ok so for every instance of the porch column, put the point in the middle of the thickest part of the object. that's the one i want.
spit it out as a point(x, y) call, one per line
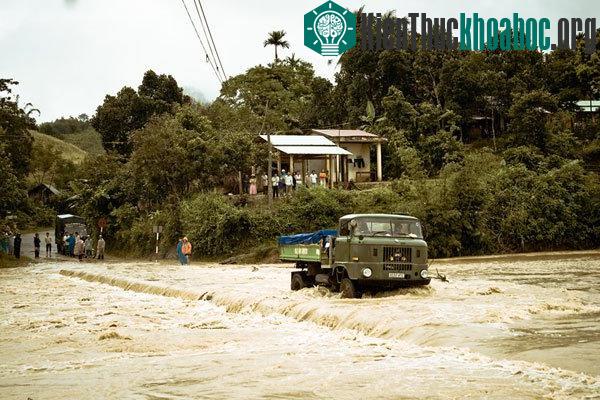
point(291, 169)
point(278, 163)
point(328, 169)
point(379, 166)
point(303, 162)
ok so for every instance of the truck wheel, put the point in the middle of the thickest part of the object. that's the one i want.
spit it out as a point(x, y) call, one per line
point(348, 289)
point(297, 282)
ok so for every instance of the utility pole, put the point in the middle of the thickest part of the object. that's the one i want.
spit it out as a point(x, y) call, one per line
point(269, 160)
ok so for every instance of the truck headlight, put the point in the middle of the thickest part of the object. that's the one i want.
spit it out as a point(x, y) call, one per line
point(424, 274)
point(367, 272)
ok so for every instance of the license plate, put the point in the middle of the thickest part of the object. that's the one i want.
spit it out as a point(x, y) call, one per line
point(397, 275)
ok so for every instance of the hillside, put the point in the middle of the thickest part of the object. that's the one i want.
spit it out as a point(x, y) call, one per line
point(88, 140)
point(69, 151)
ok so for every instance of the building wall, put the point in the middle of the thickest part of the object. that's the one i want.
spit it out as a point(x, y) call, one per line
point(358, 149)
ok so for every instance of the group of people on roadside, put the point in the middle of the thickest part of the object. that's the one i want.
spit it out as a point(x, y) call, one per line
point(75, 245)
point(10, 243)
point(283, 183)
point(184, 250)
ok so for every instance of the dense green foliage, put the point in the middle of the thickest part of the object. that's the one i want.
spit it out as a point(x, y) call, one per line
point(118, 116)
point(488, 148)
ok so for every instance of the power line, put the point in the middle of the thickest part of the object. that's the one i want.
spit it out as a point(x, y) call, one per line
point(202, 24)
point(211, 38)
point(201, 43)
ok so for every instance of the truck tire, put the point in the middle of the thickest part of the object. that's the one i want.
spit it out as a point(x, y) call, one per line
point(348, 289)
point(298, 282)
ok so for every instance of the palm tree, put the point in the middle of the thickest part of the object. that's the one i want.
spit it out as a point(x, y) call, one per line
point(276, 39)
point(293, 61)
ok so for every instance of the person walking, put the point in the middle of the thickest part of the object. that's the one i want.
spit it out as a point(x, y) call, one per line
point(275, 185)
point(100, 248)
point(265, 184)
point(186, 249)
point(36, 245)
point(252, 189)
point(17, 246)
point(88, 247)
point(48, 242)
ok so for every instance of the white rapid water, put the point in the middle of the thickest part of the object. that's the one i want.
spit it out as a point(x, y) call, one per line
point(505, 328)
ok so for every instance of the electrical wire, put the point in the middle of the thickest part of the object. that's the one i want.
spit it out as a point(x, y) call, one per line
point(201, 42)
point(211, 38)
point(204, 24)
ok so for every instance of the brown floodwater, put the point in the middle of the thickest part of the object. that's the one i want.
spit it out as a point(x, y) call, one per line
point(501, 328)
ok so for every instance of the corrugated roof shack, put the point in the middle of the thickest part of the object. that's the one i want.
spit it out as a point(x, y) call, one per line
point(358, 167)
point(43, 193)
point(295, 152)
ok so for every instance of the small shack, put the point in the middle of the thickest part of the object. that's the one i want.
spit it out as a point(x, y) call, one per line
point(356, 168)
point(43, 193)
point(298, 152)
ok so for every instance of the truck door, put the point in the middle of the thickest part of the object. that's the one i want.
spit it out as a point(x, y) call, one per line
point(342, 244)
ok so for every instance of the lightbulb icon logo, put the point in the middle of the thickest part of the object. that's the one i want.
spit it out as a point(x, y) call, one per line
point(329, 29)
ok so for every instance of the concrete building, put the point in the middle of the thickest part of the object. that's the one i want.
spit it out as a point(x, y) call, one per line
point(356, 168)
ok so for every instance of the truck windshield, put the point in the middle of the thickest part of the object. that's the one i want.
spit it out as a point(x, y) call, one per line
point(388, 227)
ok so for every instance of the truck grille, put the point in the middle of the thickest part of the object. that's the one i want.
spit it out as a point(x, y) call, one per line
point(397, 259)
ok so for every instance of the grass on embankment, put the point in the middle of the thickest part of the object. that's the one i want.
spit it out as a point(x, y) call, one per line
point(69, 151)
point(7, 261)
point(88, 140)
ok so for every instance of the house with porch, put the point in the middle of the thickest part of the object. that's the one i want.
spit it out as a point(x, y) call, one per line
point(344, 154)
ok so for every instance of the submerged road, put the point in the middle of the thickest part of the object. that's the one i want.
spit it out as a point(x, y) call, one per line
point(505, 327)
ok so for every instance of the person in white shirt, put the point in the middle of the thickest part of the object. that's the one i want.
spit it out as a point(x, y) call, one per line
point(298, 178)
point(313, 178)
point(289, 183)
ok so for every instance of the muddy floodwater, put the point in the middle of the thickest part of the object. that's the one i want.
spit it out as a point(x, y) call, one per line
point(501, 328)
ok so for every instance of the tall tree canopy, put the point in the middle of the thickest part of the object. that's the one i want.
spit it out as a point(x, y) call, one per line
point(118, 116)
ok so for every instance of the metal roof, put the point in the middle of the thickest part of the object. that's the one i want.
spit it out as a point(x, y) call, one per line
point(352, 216)
point(313, 150)
point(305, 144)
point(588, 105)
point(299, 140)
point(346, 135)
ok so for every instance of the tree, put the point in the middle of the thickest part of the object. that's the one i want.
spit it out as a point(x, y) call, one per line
point(118, 116)
point(275, 39)
point(529, 116)
point(12, 194)
point(15, 123)
point(286, 88)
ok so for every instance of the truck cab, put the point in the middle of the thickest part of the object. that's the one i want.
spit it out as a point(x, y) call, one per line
point(368, 252)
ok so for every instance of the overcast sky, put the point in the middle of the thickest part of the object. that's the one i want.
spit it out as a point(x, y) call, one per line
point(68, 54)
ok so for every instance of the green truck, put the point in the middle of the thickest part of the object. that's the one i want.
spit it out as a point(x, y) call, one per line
point(367, 252)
